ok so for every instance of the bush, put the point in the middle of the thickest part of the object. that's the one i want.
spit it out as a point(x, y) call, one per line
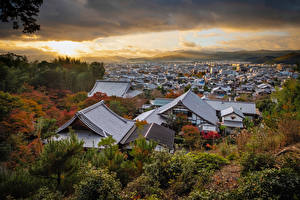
point(192, 170)
point(142, 187)
point(98, 184)
point(256, 162)
point(208, 161)
point(227, 150)
point(184, 174)
point(159, 168)
point(18, 184)
point(290, 161)
point(45, 194)
point(208, 195)
point(270, 184)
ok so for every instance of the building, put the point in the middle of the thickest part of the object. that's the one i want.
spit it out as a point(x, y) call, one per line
point(204, 113)
point(160, 134)
point(247, 108)
point(98, 121)
point(198, 112)
point(114, 88)
point(232, 117)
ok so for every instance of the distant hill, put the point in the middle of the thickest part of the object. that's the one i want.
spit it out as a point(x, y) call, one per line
point(290, 58)
point(261, 56)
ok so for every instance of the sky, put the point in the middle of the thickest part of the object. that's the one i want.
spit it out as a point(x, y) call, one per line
point(95, 30)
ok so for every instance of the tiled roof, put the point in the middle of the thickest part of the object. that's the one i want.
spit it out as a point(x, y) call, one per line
point(111, 88)
point(102, 121)
point(162, 135)
point(151, 116)
point(230, 110)
point(244, 107)
point(195, 104)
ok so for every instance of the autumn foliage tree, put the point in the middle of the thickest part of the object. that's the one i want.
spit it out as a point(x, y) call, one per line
point(192, 136)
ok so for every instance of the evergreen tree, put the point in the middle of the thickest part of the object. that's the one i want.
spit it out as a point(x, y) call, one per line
point(59, 159)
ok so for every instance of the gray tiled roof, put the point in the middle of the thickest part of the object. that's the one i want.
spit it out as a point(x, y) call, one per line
point(230, 110)
point(162, 135)
point(151, 116)
point(245, 107)
point(111, 88)
point(190, 100)
point(132, 93)
point(195, 104)
point(102, 121)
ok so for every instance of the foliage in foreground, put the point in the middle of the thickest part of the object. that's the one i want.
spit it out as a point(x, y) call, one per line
point(98, 184)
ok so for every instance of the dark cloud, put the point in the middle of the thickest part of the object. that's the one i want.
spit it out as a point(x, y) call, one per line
point(188, 44)
point(89, 19)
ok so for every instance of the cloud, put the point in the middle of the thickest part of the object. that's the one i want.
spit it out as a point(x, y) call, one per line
point(188, 44)
point(89, 19)
point(273, 42)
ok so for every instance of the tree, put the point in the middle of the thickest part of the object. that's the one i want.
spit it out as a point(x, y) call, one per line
point(97, 70)
point(141, 152)
point(59, 159)
point(110, 156)
point(21, 11)
point(186, 88)
point(192, 136)
point(176, 122)
point(113, 159)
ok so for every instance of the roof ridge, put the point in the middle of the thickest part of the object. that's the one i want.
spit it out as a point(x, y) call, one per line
point(113, 81)
point(246, 102)
point(146, 134)
point(185, 94)
point(91, 107)
point(90, 124)
point(127, 88)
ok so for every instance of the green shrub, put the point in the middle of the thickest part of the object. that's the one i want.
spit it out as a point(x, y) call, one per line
point(232, 156)
point(98, 184)
point(186, 173)
point(18, 184)
point(256, 162)
point(45, 194)
point(159, 168)
point(290, 161)
point(208, 195)
point(142, 187)
point(179, 172)
point(270, 184)
point(208, 161)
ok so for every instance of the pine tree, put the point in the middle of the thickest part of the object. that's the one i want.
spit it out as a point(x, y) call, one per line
point(59, 159)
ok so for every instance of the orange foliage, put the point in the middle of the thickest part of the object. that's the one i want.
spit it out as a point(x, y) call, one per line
point(172, 94)
point(97, 97)
point(19, 121)
point(190, 130)
point(191, 135)
point(127, 117)
point(140, 123)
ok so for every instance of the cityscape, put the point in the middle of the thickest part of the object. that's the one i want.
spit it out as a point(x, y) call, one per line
point(149, 100)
